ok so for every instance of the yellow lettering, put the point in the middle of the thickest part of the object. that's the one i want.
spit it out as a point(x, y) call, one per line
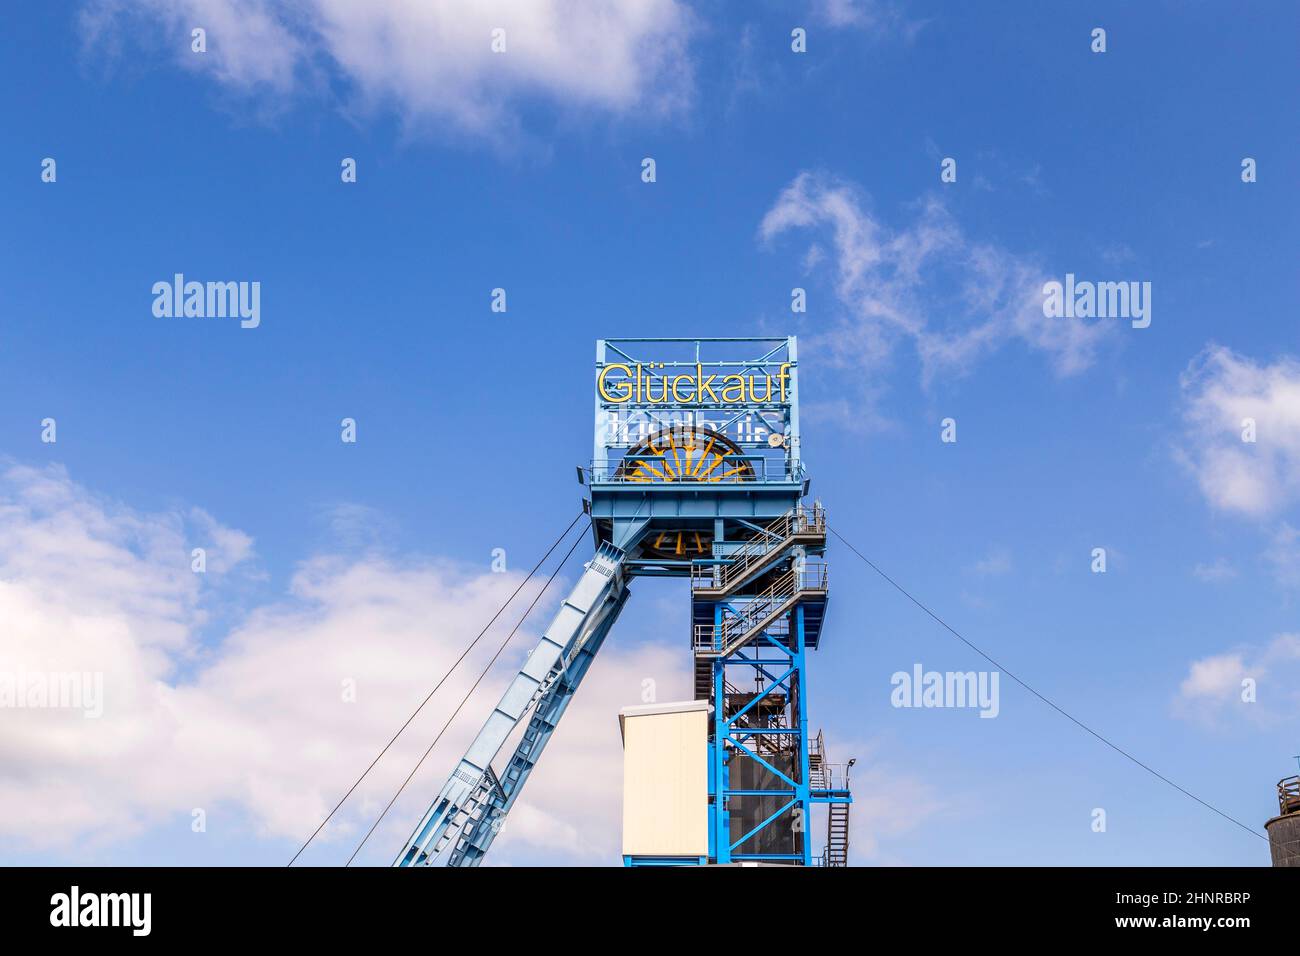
point(649, 391)
point(733, 382)
point(626, 386)
point(704, 386)
point(636, 386)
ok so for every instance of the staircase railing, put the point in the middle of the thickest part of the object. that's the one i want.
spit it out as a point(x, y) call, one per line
point(803, 519)
point(1288, 795)
point(811, 576)
point(817, 762)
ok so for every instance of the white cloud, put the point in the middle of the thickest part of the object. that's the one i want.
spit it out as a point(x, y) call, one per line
point(431, 60)
point(996, 563)
point(1283, 553)
point(1214, 677)
point(1220, 570)
point(875, 15)
point(355, 526)
point(1220, 390)
point(225, 547)
point(952, 298)
point(254, 726)
point(1214, 687)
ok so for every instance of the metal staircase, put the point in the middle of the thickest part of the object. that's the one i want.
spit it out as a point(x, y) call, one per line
point(837, 835)
point(803, 525)
point(758, 605)
point(817, 763)
point(821, 778)
point(760, 612)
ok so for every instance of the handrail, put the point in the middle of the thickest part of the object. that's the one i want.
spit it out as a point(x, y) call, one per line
point(1288, 795)
point(764, 469)
point(811, 576)
point(799, 520)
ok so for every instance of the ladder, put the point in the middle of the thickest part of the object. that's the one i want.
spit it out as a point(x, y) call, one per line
point(837, 834)
point(820, 780)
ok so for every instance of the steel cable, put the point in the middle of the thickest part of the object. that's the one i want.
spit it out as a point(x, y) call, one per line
point(465, 699)
point(1049, 703)
point(441, 681)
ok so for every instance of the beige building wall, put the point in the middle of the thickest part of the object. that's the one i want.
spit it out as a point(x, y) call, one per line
point(665, 779)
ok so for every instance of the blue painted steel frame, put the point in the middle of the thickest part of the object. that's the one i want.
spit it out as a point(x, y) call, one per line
point(478, 834)
point(722, 849)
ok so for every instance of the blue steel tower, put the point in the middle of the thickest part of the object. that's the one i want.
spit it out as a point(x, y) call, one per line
point(696, 473)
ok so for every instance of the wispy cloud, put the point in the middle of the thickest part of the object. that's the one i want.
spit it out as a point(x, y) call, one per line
point(1218, 570)
point(356, 527)
point(996, 563)
point(927, 284)
point(878, 16)
point(1283, 555)
point(431, 62)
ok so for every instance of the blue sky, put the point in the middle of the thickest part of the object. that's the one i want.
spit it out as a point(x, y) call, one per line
point(522, 170)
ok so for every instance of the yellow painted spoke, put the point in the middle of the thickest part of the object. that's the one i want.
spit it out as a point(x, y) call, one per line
point(694, 457)
point(703, 455)
point(717, 460)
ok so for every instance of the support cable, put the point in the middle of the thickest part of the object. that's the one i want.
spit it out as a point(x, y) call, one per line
point(466, 698)
point(1074, 720)
point(441, 681)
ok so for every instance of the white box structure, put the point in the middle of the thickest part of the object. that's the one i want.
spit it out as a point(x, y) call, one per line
point(665, 779)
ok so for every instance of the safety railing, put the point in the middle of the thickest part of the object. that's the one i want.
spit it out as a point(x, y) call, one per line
point(1288, 795)
point(665, 470)
point(817, 762)
point(810, 576)
point(837, 776)
point(804, 519)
